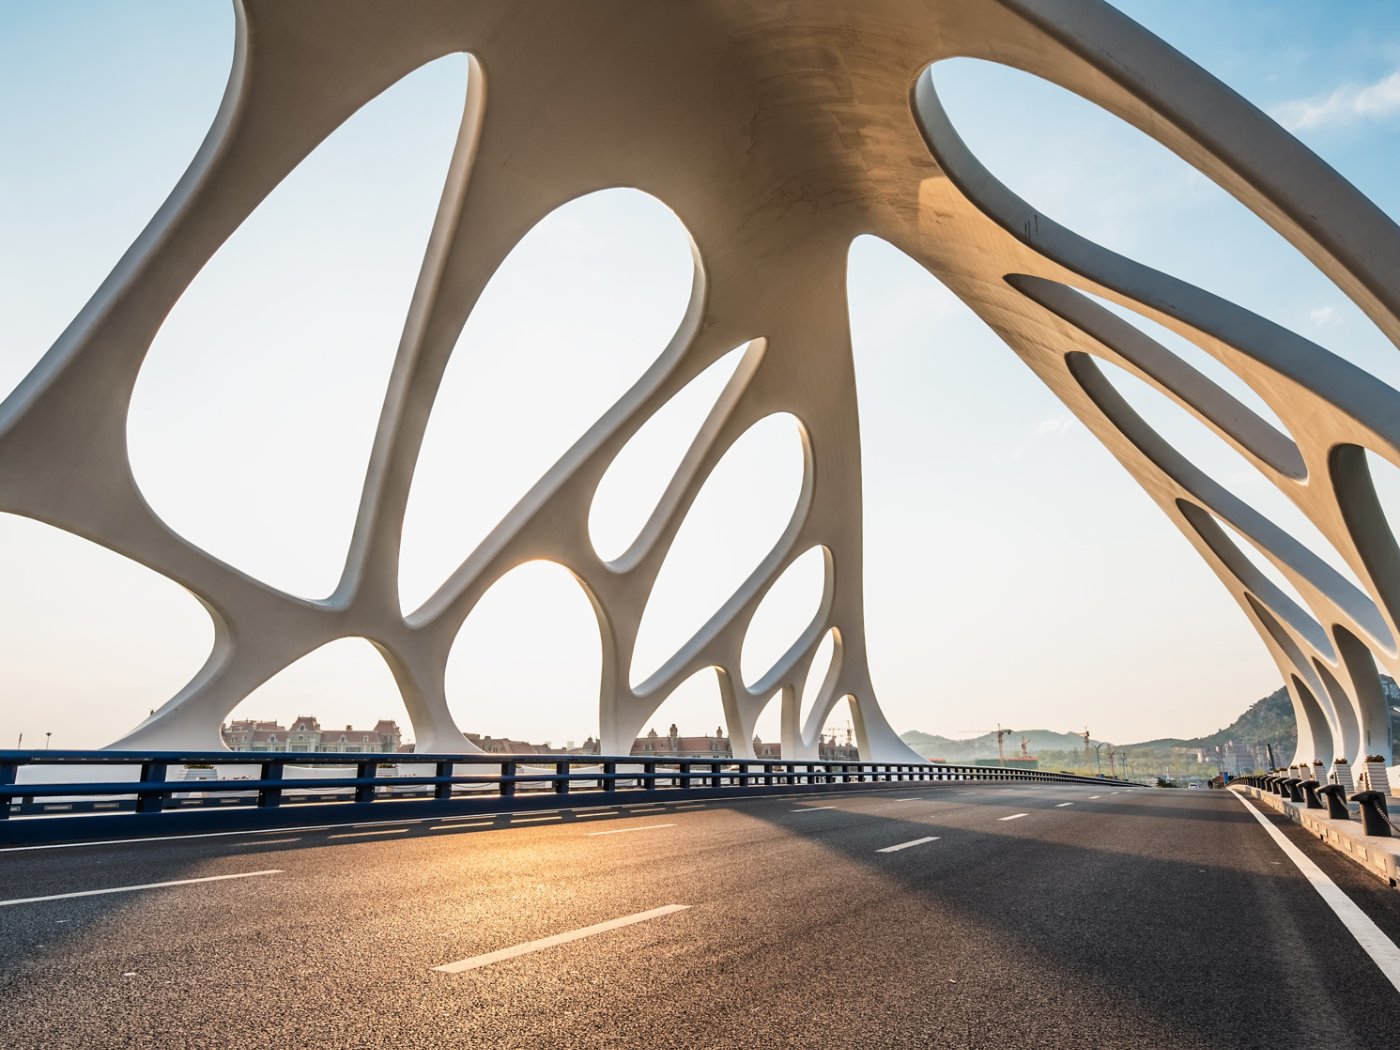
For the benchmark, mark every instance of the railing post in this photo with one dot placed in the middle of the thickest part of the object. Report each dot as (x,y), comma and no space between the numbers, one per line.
(270,797)
(9,775)
(562,774)
(366,770)
(507,779)
(649,776)
(715,777)
(152,772)
(683,779)
(443,791)
(609,782)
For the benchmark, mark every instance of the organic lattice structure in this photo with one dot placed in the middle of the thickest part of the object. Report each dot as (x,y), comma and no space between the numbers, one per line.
(778,132)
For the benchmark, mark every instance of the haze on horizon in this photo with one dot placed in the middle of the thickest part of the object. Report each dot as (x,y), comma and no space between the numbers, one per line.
(1014,571)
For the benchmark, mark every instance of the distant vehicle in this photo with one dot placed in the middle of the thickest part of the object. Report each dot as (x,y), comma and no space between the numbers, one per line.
(1193,785)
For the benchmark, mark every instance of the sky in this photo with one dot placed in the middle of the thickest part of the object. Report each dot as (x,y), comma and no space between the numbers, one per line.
(1014,572)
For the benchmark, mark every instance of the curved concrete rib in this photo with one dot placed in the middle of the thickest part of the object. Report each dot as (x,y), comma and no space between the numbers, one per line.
(777,135)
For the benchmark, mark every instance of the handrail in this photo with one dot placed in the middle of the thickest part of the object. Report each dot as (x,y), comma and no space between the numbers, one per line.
(421,784)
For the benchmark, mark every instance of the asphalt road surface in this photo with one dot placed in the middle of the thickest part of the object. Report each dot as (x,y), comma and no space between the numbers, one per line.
(1010,916)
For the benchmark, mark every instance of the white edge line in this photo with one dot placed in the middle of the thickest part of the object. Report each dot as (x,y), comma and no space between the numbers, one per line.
(623,831)
(560,938)
(143,886)
(906,845)
(1374,943)
(811,809)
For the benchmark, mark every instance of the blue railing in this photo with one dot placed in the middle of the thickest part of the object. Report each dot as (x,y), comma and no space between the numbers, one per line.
(90,802)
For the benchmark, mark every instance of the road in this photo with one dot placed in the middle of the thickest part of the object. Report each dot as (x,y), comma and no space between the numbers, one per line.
(1020,916)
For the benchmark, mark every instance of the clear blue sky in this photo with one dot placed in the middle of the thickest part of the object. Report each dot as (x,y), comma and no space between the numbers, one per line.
(1015,572)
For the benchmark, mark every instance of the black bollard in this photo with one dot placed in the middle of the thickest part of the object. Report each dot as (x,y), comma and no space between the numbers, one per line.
(1310,794)
(1293,789)
(1373,815)
(1335,795)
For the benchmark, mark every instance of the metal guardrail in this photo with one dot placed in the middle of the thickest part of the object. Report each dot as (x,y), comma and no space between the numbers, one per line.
(394,785)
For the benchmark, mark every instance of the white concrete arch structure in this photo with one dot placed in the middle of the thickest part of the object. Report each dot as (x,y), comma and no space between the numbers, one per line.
(778,133)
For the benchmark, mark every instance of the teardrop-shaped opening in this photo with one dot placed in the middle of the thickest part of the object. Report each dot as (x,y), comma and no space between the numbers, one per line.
(1367,488)
(785,614)
(768,728)
(338,699)
(822,664)
(1092,172)
(1136,340)
(90,641)
(77,190)
(527,662)
(1258,574)
(839,740)
(1182,445)
(581,307)
(254,413)
(689,722)
(633,484)
(741,512)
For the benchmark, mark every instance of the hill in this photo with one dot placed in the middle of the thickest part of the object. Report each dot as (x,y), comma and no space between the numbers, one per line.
(1268,722)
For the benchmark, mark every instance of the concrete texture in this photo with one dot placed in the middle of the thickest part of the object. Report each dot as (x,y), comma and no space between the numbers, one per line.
(777,133)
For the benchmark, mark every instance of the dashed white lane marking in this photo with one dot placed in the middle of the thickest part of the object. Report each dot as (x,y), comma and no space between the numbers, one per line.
(1062,805)
(1374,943)
(535,819)
(623,831)
(906,845)
(143,886)
(908,800)
(1014,816)
(477,961)
(811,809)
(363,834)
(1096,796)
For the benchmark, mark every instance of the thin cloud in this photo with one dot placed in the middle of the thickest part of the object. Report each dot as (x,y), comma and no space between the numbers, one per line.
(1322,315)
(1347,104)
(1054,426)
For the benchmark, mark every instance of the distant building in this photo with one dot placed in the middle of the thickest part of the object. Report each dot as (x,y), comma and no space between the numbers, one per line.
(502,745)
(306,735)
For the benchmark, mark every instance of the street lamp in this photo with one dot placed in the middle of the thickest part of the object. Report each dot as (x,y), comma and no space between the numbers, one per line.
(1098,757)
(47,737)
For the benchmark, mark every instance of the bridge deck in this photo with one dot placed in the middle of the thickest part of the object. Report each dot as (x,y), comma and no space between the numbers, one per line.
(1009,916)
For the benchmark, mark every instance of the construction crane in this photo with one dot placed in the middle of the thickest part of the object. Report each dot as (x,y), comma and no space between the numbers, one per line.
(1001,734)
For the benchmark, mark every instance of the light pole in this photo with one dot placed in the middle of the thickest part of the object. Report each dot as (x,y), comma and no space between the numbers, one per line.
(1098,756)
(47,738)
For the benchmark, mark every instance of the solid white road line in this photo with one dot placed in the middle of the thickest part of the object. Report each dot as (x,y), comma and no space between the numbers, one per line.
(1062,805)
(1014,816)
(624,831)
(906,845)
(560,938)
(144,886)
(811,809)
(1374,943)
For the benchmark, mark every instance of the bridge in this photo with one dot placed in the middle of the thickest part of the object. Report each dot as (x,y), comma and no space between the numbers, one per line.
(163,891)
